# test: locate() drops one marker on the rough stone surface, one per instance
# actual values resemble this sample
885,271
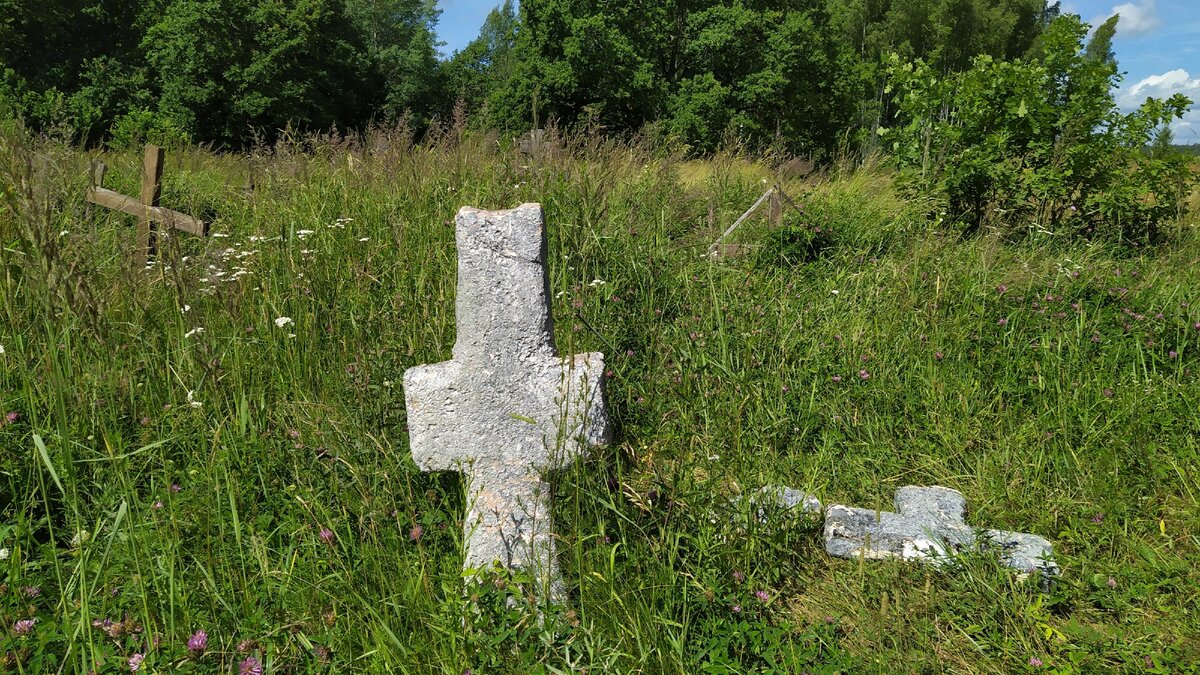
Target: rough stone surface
783,499
506,409
929,525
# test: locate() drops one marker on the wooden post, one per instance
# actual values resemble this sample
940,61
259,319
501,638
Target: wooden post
152,167
775,211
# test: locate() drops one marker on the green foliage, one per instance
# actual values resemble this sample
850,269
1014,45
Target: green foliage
1056,386
1038,143
768,73
485,66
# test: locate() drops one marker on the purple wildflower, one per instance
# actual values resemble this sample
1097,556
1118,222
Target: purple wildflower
737,609
1196,326
416,533
864,374
176,487
326,535
738,576
250,666
1002,322
198,642
32,591
23,627
938,355
1108,393
14,415
158,504
135,662
762,596
1035,662
1112,583
1172,353
1002,289
836,378
1098,518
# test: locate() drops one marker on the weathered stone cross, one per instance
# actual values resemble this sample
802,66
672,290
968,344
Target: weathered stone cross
507,408
930,526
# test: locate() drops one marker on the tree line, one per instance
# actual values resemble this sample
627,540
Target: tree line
800,74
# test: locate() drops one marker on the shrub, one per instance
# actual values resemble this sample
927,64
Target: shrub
1039,142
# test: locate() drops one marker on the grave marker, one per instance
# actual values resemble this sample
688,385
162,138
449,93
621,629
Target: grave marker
506,409
929,525
146,208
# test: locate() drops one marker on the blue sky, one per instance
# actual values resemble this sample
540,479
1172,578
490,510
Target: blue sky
1157,45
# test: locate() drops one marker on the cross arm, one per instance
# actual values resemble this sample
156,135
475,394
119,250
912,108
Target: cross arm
174,219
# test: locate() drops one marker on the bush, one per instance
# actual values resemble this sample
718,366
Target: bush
1039,143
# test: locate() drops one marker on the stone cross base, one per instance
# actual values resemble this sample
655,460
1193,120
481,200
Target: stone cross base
930,526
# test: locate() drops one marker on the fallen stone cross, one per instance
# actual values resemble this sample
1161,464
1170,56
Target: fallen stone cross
506,409
929,525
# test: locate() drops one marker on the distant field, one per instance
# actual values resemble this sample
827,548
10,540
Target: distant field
177,446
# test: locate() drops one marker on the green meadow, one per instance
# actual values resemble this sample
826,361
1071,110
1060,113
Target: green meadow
218,442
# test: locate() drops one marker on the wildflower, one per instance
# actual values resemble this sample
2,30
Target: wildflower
1112,583
195,331
1035,662
246,645
326,535
158,504
836,378
11,417
365,239
1002,322
198,642
938,355
736,609
597,282
762,596
32,591
1098,518
135,662
1172,353
864,374
283,321
250,666
416,532
1197,326
1108,393
4,553
23,627
1002,289
738,576
1,349
191,399
176,487
322,653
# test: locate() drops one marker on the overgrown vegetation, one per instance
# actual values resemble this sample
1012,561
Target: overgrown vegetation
219,444
1039,144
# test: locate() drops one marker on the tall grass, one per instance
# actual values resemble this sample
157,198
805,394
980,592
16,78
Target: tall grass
182,435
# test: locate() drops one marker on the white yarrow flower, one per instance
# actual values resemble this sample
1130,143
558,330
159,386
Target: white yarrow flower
191,399
4,553
1,349
597,282
283,321
195,331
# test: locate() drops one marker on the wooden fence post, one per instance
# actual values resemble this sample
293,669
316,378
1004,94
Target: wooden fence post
152,167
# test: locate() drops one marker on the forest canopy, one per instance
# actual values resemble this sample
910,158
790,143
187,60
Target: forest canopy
799,75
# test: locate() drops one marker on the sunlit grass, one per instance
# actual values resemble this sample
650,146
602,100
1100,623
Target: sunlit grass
179,446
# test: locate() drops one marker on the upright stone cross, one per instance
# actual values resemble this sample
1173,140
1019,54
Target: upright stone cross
506,409
930,526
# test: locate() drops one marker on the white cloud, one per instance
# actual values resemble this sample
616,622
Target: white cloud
1137,18
1178,81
